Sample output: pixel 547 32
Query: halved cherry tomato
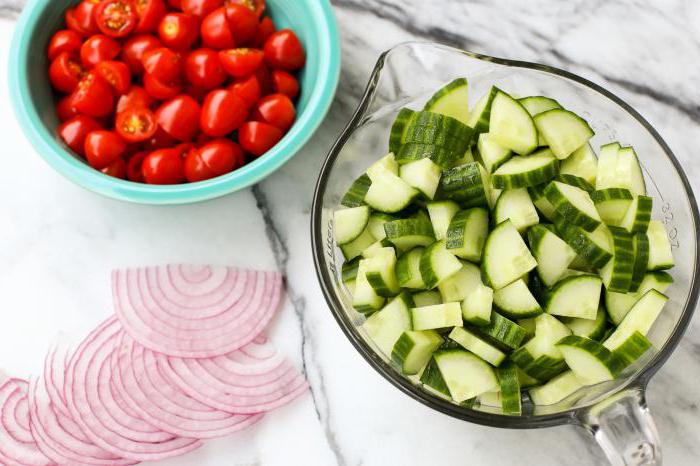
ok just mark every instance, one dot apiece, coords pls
pixel 163 64
pixel 203 69
pixel 116 18
pixel 160 140
pixel 265 79
pixel 213 159
pixel 222 112
pixel 81 19
pixel 65 40
pixel 178 30
pixel 257 6
pixel 117 169
pixel 163 166
pixel 133 167
pixel 160 90
pixel 276 109
pixel 137 97
pixel 74 131
pixel 247 89
pixel 195 168
pixel 136 124
pixel 243 22
pixel 93 96
pixel 115 73
pixel 65 72
pixel 196 92
pixel 285 83
pixel 257 137
pixel 135 48
pixel 200 8
pixel 103 148
pixel 98 48
pixel 240 63
pixel 284 50
pixel 176 4
pixel 265 30
pixel 179 117
pixel 65 110
pixel 149 12
pixel 216 32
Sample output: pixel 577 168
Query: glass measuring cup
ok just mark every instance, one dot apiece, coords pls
pixel 614 412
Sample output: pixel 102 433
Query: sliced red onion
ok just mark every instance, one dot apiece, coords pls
pixel 195 312
pixel 55 366
pixel 13 425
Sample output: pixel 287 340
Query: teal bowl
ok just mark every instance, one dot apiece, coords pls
pixel 33 101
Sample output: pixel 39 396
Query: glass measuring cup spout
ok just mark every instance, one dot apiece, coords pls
pixel 615 412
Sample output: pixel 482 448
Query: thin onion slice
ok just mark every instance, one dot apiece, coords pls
pixel 55 366
pixel 11 420
pixel 195 312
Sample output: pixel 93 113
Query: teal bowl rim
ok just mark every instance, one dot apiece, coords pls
pixel 80 173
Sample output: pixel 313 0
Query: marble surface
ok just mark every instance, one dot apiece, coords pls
pixel 58 242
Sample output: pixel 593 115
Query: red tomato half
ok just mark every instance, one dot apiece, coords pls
pixel 99 48
pixel 93 96
pixel 160 90
pixel 179 117
pixel 133 167
pixel 203 69
pixel 103 148
pixel 136 124
pixel 243 22
pixel 117 169
pixel 163 166
pixel 65 72
pixel 247 89
pixel 213 159
pixel 135 48
pixel 149 12
pixel 65 110
pixel 285 83
pixel 116 18
pixel 240 63
pixel 200 8
pixel 195 168
pixel 64 40
pixel 74 131
pixel 175 4
pixel 115 73
pixel 81 19
pixel 265 30
pixel 222 112
pixel 257 137
pixel 137 97
pixel 284 50
pixel 178 30
pixel 278 110
pixel 163 64
pixel 216 32
pixel 257 6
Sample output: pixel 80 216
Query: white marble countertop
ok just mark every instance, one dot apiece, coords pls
pixel 58 242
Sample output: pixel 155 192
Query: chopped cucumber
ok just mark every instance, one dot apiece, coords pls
pixel 465 374
pixel 506 257
pixel 639 319
pixel 521 172
pixel 618 272
pixel 502 332
pixel 438 264
pixel 387 325
pixel 516 205
pixel 355 247
pixel 553 255
pixel 638 215
pixel 452 100
pixel 632 349
pixel 629 172
pixel 475 344
pixel 389 193
pixel 619 304
pixel 376 248
pixel 539 357
pixel 582 163
pixel 433 128
pixel 460 285
pixel 607 167
pixel 511 126
pixel 509 383
pixel 595 247
pixel 427 298
pixel 441 214
pixel 379 168
pixel 348 224
pixel 408 269
pixel 480 115
pixel 593 329
pixel 563 130
pixel 556 389
pixel 612 204
pixel 365 299
pixel 477 306
pixel 413 350
pixel 660 254
pixel 589 360
pixel 467 233
pixel 492 155
pixel 443 156
pixel 516 301
pixel 424 175
pixel 399 128
pixel 380 272
pixel 349 270
pixel 408 233
pixel 573 204
pixel 641 260
pixel 576 296
pixel 464 184
pixel 437 316
pixel 355 195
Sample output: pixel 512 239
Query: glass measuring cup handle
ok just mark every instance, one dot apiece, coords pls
pixel 624 429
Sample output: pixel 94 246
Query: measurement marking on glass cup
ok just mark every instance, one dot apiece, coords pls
pixel 329 249
pixel 667 210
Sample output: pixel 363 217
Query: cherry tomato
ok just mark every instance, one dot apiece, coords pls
pixel 160 140
pixel 222 112
pixel 93 96
pixel 222 155
pixel 216 32
pixel 137 97
pixel 196 92
pixel 257 137
pixel 99 48
pixel 243 23
pixel 74 131
pixel 81 19
pixel 178 30
pixel 195 168
pixel 285 83
pixel 240 63
pixel 117 74
pixel 133 167
pixel 257 6
pixel 135 48
pixel 175 4
pixel 117 169
pixel 200 7
pixel 203 69
pixel 116 18
pixel 149 12
pixel 163 64
pixel 160 90
pixel 65 72
pixel 278 110
pixel 283 50
pixel 247 89
pixel 65 110
pixel 64 40
pixel 265 30
pixel 136 124
pixel 163 166
pixel 103 148
pixel 179 117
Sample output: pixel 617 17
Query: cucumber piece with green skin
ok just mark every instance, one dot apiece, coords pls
pixel 536 105
pixel 376 222
pixel 556 389
pixel 553 254
pixel 466 158
pixel 349 270
pixel 399 128
pixel 441 214
pixel 437 316
pixel 522 172
pixel 376 248
pixel 502 332
pixel 457 287
pixel 408 233
pixel 607 167
pixel 480 115
pixel 612 204
pixel 387 325
pixel 427 298
pixel 475 344
pixel 380 272
pixel 591 361
pixel 638 215
pixel 432 380
pixel 525 380
pixel 516 301
pixel 632 349
pixel 529 326
pixel 511 402
pixel 365 299
pixel 583 163
pixel 467 233
pixel 563 130
pixel 511 126
pixel 629 172
pixel 465 374
pixel 408 269
pixel 348 224
pixel 445 157
pixel 660 253
pixel 506 256
pixel 641 260
pixel 492 155
pixel 424 175
pixel 355 195
pixel 617 273
pixel 477 306
pixel 576 296
pixel 516 205
pixel 413 350
pixel 440 130
pixel 539 357
pixel 355 247
pixel 451 100
pixel 464 184
pixel 619 304
pixel 593 329
pixel 541 202
pixel 490 399
pixel 389 193
pixel 594 247
pixel 573 180
pixel 438 264
pixel 379 168
pixel 573 204
pixel 639 319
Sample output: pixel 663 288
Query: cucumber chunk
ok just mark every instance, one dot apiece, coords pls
pixel 593 329
pixel 589 360
pixel 389 193
pixel 660 253
pixel 398 129
pixel 511 402
pixel 539 357
pixel 617 273
pixel 427 298
pixel 465 374
pixel 502 332
pixel 355 247
pixel 355 195
pixel 629 172
pixel 380 272
pixel 511 126
pixel 576 296
pixel 516 301
pixel 408 233
pixel 536 105
pixel 480 115
pixel 464 184
pixel 433 382
pixel 641 260
pixel 365 299
pixel 639 319
pixel 467 233
pixel 445 157
pixel 477 306
pixel 595 247
pixel 475 344
pixel 376 222
pixel 408 269
pixel 573 204
pixel 460 285
pixel 583 163
pixel 376 248
pixel 516 205
pixel 521 172
pixel 563 130
pixel 492 155
pixel 612 204
pixel 423 175
pixel 638 215
pixel 506 257
pixel 438 264
pixel 413 350
pixel 607 167
pixel 556 389
pixel 441 214
pixel 379 168
pixel 437 316
pixel 619 304
pixel 452 100
pixel 387 325
pixel 349 270
pixel 632 349
pixel 348 224
pixel 440 130
pixel 553 254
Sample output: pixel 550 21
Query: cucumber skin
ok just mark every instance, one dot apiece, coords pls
pixel 484 121
pixel 623 257
pixel 568 211
pixel 641 260
pixel 349 269
pixel 576 237
pixel 464 185
pixel 596 349
pixel 501 332
pixel 442 156
pixel 430 279
pixel 511 402
pixel 527 179
pixel 573 180
pixel 355 195
pixel 440 130
pixel 632 349
pixel 398 128
pixel 541 368
pixel 403 269
pixel 642 215
pixel 457 231
pixel 402 349
pixel 433 378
